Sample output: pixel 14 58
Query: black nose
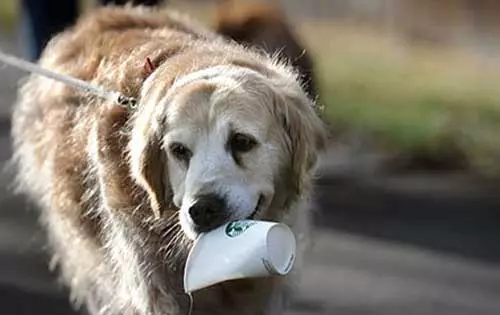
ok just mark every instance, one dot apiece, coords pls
pixel 208 213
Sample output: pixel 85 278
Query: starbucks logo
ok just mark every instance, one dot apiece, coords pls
pixel 237 228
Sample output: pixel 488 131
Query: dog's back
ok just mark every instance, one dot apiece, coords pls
pixel 96 47
pixel 264 25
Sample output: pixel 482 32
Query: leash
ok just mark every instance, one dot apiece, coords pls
pixel 129 103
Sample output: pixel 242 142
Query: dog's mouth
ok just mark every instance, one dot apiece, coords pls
pixel 258 207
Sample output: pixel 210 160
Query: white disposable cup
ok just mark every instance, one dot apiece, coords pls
pixel 239 249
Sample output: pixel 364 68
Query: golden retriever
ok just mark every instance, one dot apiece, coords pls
pixel 219 133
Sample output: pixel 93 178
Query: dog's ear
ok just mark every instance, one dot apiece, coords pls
pixel 151 173
pixel 107 147
pixel 148 163
pixel 306 136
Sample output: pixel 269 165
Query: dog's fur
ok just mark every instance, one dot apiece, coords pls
pixel 111 194
pixel 264 25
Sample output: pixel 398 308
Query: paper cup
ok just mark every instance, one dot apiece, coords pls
pixel 239 249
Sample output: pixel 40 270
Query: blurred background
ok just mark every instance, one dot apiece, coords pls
pixel 406 206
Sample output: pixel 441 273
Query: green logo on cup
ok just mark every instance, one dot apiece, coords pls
pixel 237 228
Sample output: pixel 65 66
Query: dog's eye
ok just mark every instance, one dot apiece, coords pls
pixel 180 152
pixel 242 143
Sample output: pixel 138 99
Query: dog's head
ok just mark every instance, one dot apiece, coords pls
pixel 223 143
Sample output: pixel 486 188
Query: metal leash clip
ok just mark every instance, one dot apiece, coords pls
pixel 129 103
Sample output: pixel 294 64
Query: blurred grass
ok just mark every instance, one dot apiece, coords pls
pixel 413 99
pixel 8 10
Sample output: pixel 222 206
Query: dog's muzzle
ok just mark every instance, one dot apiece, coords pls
pixel 211 211
pixel 208 212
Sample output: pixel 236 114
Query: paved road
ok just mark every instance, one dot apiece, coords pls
pixel 384 246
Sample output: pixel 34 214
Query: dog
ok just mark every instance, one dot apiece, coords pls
pixel 219 133
pixel 265 26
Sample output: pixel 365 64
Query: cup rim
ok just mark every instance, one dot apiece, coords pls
pixel 289 265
